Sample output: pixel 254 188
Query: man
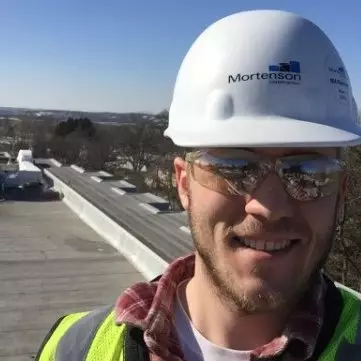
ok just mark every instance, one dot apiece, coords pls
pixel 264 101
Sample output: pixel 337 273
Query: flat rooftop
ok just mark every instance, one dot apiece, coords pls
pixel 51 263
pixel 162 232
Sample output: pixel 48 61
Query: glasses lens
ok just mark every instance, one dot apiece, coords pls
pixel 236 175
pixel 305 177
pixel 310 178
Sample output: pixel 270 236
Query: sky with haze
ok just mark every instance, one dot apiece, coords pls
pixel 123 56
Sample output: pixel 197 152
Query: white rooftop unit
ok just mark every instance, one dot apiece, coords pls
pixel 27 172
pixel 25 155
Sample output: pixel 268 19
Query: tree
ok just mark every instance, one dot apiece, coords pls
pixel 344 262
pixel 72 140
pixel 83 126
pixel 140 145
pixel 65 150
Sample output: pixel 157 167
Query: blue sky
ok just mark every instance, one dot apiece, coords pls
pixel 117 55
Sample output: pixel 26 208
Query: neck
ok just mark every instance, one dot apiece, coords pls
pixel 221 324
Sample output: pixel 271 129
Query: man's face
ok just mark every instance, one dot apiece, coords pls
pixel 249 279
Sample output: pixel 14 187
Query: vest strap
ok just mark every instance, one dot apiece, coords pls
pixel 135 348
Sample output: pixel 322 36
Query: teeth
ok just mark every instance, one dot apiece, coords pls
pixel 278 245
pixel 265 245
pixel 286 243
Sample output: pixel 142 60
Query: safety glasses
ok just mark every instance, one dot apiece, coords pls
pixel 239 172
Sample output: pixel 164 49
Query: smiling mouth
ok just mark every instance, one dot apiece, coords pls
pixel 265 246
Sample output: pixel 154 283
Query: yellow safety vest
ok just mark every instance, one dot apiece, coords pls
pixel 94 336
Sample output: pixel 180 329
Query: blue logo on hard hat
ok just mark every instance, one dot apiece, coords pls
pixel 292 66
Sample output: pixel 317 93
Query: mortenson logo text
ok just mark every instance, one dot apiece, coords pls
pixel 283 73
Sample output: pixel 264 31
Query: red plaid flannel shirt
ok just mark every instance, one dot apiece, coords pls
pixel 149 306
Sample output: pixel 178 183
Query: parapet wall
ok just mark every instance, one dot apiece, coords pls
pixel 144 259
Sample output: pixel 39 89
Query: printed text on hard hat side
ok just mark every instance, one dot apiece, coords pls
pixel 282 73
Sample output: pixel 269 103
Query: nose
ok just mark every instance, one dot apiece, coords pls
pixel 270 200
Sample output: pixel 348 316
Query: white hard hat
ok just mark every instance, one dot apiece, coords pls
pixel 263 78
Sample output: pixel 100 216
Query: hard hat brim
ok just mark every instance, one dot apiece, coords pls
pixel 266 132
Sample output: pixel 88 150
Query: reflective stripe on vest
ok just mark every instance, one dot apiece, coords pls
pixel 75 344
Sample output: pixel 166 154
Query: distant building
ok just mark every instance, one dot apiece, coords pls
pixel 21 172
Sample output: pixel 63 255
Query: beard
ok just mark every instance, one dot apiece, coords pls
pixel 241 295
